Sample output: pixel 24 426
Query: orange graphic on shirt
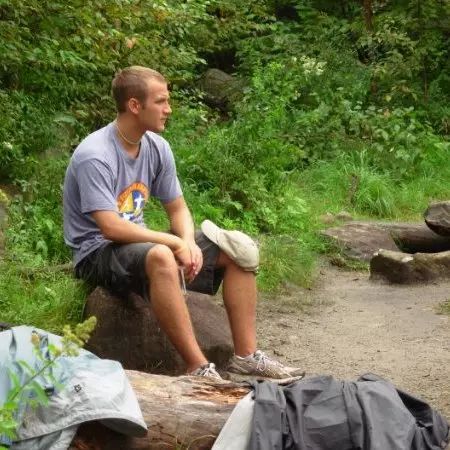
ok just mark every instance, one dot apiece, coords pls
pixel 132 200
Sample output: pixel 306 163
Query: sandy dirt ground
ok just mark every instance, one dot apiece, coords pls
pixel 356 326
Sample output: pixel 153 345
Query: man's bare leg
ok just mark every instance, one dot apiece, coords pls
pixel 239 297
pixel 170 307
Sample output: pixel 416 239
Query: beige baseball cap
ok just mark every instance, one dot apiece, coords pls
pixel 240 247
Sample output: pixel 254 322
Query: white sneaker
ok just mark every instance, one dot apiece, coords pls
pixel 259 366
pixel 207 370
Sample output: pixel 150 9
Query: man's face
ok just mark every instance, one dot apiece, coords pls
pixel 155 111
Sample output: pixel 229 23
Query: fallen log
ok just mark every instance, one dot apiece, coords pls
pixel 180 412
pixel 437 217
pixel 404 268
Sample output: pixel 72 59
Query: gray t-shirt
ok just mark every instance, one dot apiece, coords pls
pixel 102 177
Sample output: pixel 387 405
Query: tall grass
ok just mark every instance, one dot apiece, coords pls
pixel 42 299
pixel 352 183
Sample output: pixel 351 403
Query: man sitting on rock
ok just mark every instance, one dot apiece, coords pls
pixel 110 177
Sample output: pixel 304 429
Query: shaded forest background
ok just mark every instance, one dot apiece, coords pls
pixel 335 106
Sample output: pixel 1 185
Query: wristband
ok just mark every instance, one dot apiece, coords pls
pixel 180 249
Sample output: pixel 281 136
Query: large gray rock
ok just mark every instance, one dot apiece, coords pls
pixel 437 217
pixel 417 238
pixel 221 89
pixel 360 240
pixel 404 268
pixel 128 332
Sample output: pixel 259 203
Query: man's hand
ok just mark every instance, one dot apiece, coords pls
pixel 197 258
pixel 181 225
pixel 183 256
pixel 191 258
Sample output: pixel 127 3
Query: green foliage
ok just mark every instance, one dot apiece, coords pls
pixel 397 141
pixel 31 391
pixel 24 129
pixel 286 259
pixel 36 230
pixel 35 296
pixel 237 166
pixel 373 190
pixel 287 121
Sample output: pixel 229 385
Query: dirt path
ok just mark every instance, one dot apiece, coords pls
pixel 362 326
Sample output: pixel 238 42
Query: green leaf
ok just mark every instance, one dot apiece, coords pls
pixel 14 378
pixel 9 406
pixel 65 118
pixel 9 427
pixel 27 367
pixel 42 396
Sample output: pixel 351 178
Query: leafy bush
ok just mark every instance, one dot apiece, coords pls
pixel 36 229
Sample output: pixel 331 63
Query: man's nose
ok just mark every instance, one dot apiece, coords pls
pixel 168 109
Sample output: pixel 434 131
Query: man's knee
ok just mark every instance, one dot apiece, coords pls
pixel 224 260
pixel 161 260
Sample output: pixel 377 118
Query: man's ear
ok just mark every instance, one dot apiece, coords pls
pixel 134 105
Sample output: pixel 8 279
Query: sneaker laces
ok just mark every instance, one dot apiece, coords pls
pixel 263 360
pixel 207 370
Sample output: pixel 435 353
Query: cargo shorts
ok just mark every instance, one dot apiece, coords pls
pixel 120 268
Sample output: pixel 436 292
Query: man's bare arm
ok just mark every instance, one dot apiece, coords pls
pixel 117 229
pixel 182 225
pixel 180 218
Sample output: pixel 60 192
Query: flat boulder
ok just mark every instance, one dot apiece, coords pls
pixel 128 332
pixel 360 240
pixel 404 268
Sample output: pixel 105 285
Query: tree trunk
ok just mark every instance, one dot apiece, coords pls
pixel 367 5
pixel 424 58
pixel 180 412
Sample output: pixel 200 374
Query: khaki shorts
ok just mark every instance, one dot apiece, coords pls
pixel 120 268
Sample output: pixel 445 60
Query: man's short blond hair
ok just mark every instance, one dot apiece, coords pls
pixel 131 82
